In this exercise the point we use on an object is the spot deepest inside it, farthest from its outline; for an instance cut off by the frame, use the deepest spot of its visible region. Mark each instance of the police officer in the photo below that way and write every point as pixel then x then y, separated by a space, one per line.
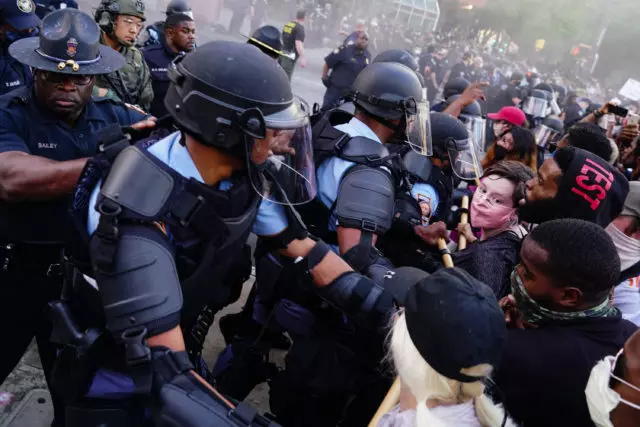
pixel 454 86
pixel 145 266
pixel 46 134
pixel 293 36
pixel 510 94
pixel 43 7
pixel 121 22
pixel 180 36
pixel 17 20
pixel 154 33
pixel 356 188
pixel 341 67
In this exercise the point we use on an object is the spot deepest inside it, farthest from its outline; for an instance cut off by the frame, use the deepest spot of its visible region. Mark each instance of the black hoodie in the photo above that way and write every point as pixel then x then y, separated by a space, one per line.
pixel 544 371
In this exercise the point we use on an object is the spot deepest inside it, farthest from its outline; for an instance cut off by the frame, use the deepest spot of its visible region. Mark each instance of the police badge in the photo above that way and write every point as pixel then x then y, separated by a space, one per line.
pixel 25 6
pixel 72 47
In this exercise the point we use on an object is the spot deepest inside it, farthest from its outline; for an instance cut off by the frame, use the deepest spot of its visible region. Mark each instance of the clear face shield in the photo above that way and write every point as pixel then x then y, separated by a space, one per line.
pixel 285 157
pixel 535 107
pixel 463 155
pixel 418 132
pixel 545 135
pixel 477 127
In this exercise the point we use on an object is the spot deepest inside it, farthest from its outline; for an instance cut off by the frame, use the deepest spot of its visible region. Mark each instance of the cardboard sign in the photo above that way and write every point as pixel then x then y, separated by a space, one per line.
pixel 631 90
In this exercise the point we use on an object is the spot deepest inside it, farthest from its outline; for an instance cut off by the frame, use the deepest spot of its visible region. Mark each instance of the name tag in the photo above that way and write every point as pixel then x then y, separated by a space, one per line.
pixel 47 145
pixel 158 70
pixel 13 83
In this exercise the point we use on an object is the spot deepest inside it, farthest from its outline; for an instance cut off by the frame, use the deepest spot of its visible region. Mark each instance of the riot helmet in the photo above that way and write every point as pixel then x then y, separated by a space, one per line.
pixel 536 104
pixel 451 139
pixel 471 116
pixel 455 86
pixel 390 92
pixel 546 87
pixel 232 97
pixel 548 131
pixel 179 6
pixel 400 56
pixel 109 10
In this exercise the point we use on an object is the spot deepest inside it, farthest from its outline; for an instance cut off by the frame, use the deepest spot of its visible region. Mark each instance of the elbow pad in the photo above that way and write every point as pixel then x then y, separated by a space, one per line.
pixel 361 299
pixel 143 289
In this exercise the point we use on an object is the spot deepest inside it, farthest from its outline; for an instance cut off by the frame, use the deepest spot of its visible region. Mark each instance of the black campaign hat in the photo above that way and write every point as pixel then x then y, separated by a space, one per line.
pixel 69 43
pixel 455 322
pixel 267 39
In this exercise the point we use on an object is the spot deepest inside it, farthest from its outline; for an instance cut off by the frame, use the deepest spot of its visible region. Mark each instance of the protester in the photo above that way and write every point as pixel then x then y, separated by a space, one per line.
pixel 625 232
pixel 562 322
pixel 589 137
pixel 517 144
pixel 505 119
pixel 613 390
pixel 574 184
pixel 444 347
pixel 491 257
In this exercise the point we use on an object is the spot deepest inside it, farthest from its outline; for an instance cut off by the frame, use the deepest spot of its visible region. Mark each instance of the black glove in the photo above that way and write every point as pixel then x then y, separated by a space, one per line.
pixel 326 82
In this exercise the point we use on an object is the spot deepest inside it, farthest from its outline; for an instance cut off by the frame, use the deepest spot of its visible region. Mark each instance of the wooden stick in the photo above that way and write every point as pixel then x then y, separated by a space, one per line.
pixel 393 395
pixel 464 219
pixel 390 400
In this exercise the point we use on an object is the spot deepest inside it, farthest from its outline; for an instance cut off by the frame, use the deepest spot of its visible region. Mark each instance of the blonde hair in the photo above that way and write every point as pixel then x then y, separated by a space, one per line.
pixel 425 383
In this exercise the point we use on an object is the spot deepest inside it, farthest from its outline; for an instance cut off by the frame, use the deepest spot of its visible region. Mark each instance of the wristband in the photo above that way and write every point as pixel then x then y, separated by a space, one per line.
pixel 317 254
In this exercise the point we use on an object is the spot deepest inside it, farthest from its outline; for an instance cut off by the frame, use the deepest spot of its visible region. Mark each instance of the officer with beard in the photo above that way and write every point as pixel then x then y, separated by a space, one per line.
pixel 17 20
pixel 180 37
pixel 121 22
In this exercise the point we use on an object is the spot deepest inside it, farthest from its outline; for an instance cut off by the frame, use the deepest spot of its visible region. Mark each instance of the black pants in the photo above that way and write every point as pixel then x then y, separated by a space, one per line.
pixel 25 291
pixel 288 65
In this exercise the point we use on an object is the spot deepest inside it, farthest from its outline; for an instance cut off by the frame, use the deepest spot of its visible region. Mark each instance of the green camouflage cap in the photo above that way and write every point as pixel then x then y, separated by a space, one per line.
pixel 131 7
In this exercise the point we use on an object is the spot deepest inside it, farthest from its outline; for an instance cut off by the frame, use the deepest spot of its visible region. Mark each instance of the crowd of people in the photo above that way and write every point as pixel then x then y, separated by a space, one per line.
pixel 437 245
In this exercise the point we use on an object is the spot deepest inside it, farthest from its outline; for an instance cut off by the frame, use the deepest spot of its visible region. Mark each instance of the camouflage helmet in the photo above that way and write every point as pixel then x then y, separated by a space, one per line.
pixel 120 7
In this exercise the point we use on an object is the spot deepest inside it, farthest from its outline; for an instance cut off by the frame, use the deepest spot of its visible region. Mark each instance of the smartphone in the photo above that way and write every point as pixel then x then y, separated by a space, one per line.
pixel 633 119
pixel 618 111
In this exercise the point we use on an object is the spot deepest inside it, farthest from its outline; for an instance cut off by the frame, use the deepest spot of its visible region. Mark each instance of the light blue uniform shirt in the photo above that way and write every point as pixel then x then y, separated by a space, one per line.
pixel 271 218
pixel 331 171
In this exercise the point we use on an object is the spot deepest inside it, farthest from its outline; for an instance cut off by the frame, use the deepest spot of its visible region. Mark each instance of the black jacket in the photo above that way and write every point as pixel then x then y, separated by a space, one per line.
pixel 544 371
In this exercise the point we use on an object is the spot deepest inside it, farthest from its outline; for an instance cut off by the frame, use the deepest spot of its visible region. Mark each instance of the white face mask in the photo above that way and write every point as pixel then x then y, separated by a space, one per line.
pixel 601 399
pixel 627 247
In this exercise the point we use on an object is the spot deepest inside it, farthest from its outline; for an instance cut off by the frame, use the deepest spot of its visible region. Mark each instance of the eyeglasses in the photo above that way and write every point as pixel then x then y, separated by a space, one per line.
pixel 59 78
pixel 614 376
pixel 130 22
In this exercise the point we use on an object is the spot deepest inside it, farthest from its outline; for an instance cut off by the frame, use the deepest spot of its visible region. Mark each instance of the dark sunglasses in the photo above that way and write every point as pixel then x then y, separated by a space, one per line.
pixel 58 78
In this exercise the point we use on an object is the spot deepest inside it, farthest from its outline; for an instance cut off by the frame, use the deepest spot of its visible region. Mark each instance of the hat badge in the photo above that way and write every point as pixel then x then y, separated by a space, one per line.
pixel 25 6
pixel 72 47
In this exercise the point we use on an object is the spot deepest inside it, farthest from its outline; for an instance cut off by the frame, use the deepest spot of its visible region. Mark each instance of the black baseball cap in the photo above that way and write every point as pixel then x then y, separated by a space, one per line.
pixel 20 14
pixel 455 322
